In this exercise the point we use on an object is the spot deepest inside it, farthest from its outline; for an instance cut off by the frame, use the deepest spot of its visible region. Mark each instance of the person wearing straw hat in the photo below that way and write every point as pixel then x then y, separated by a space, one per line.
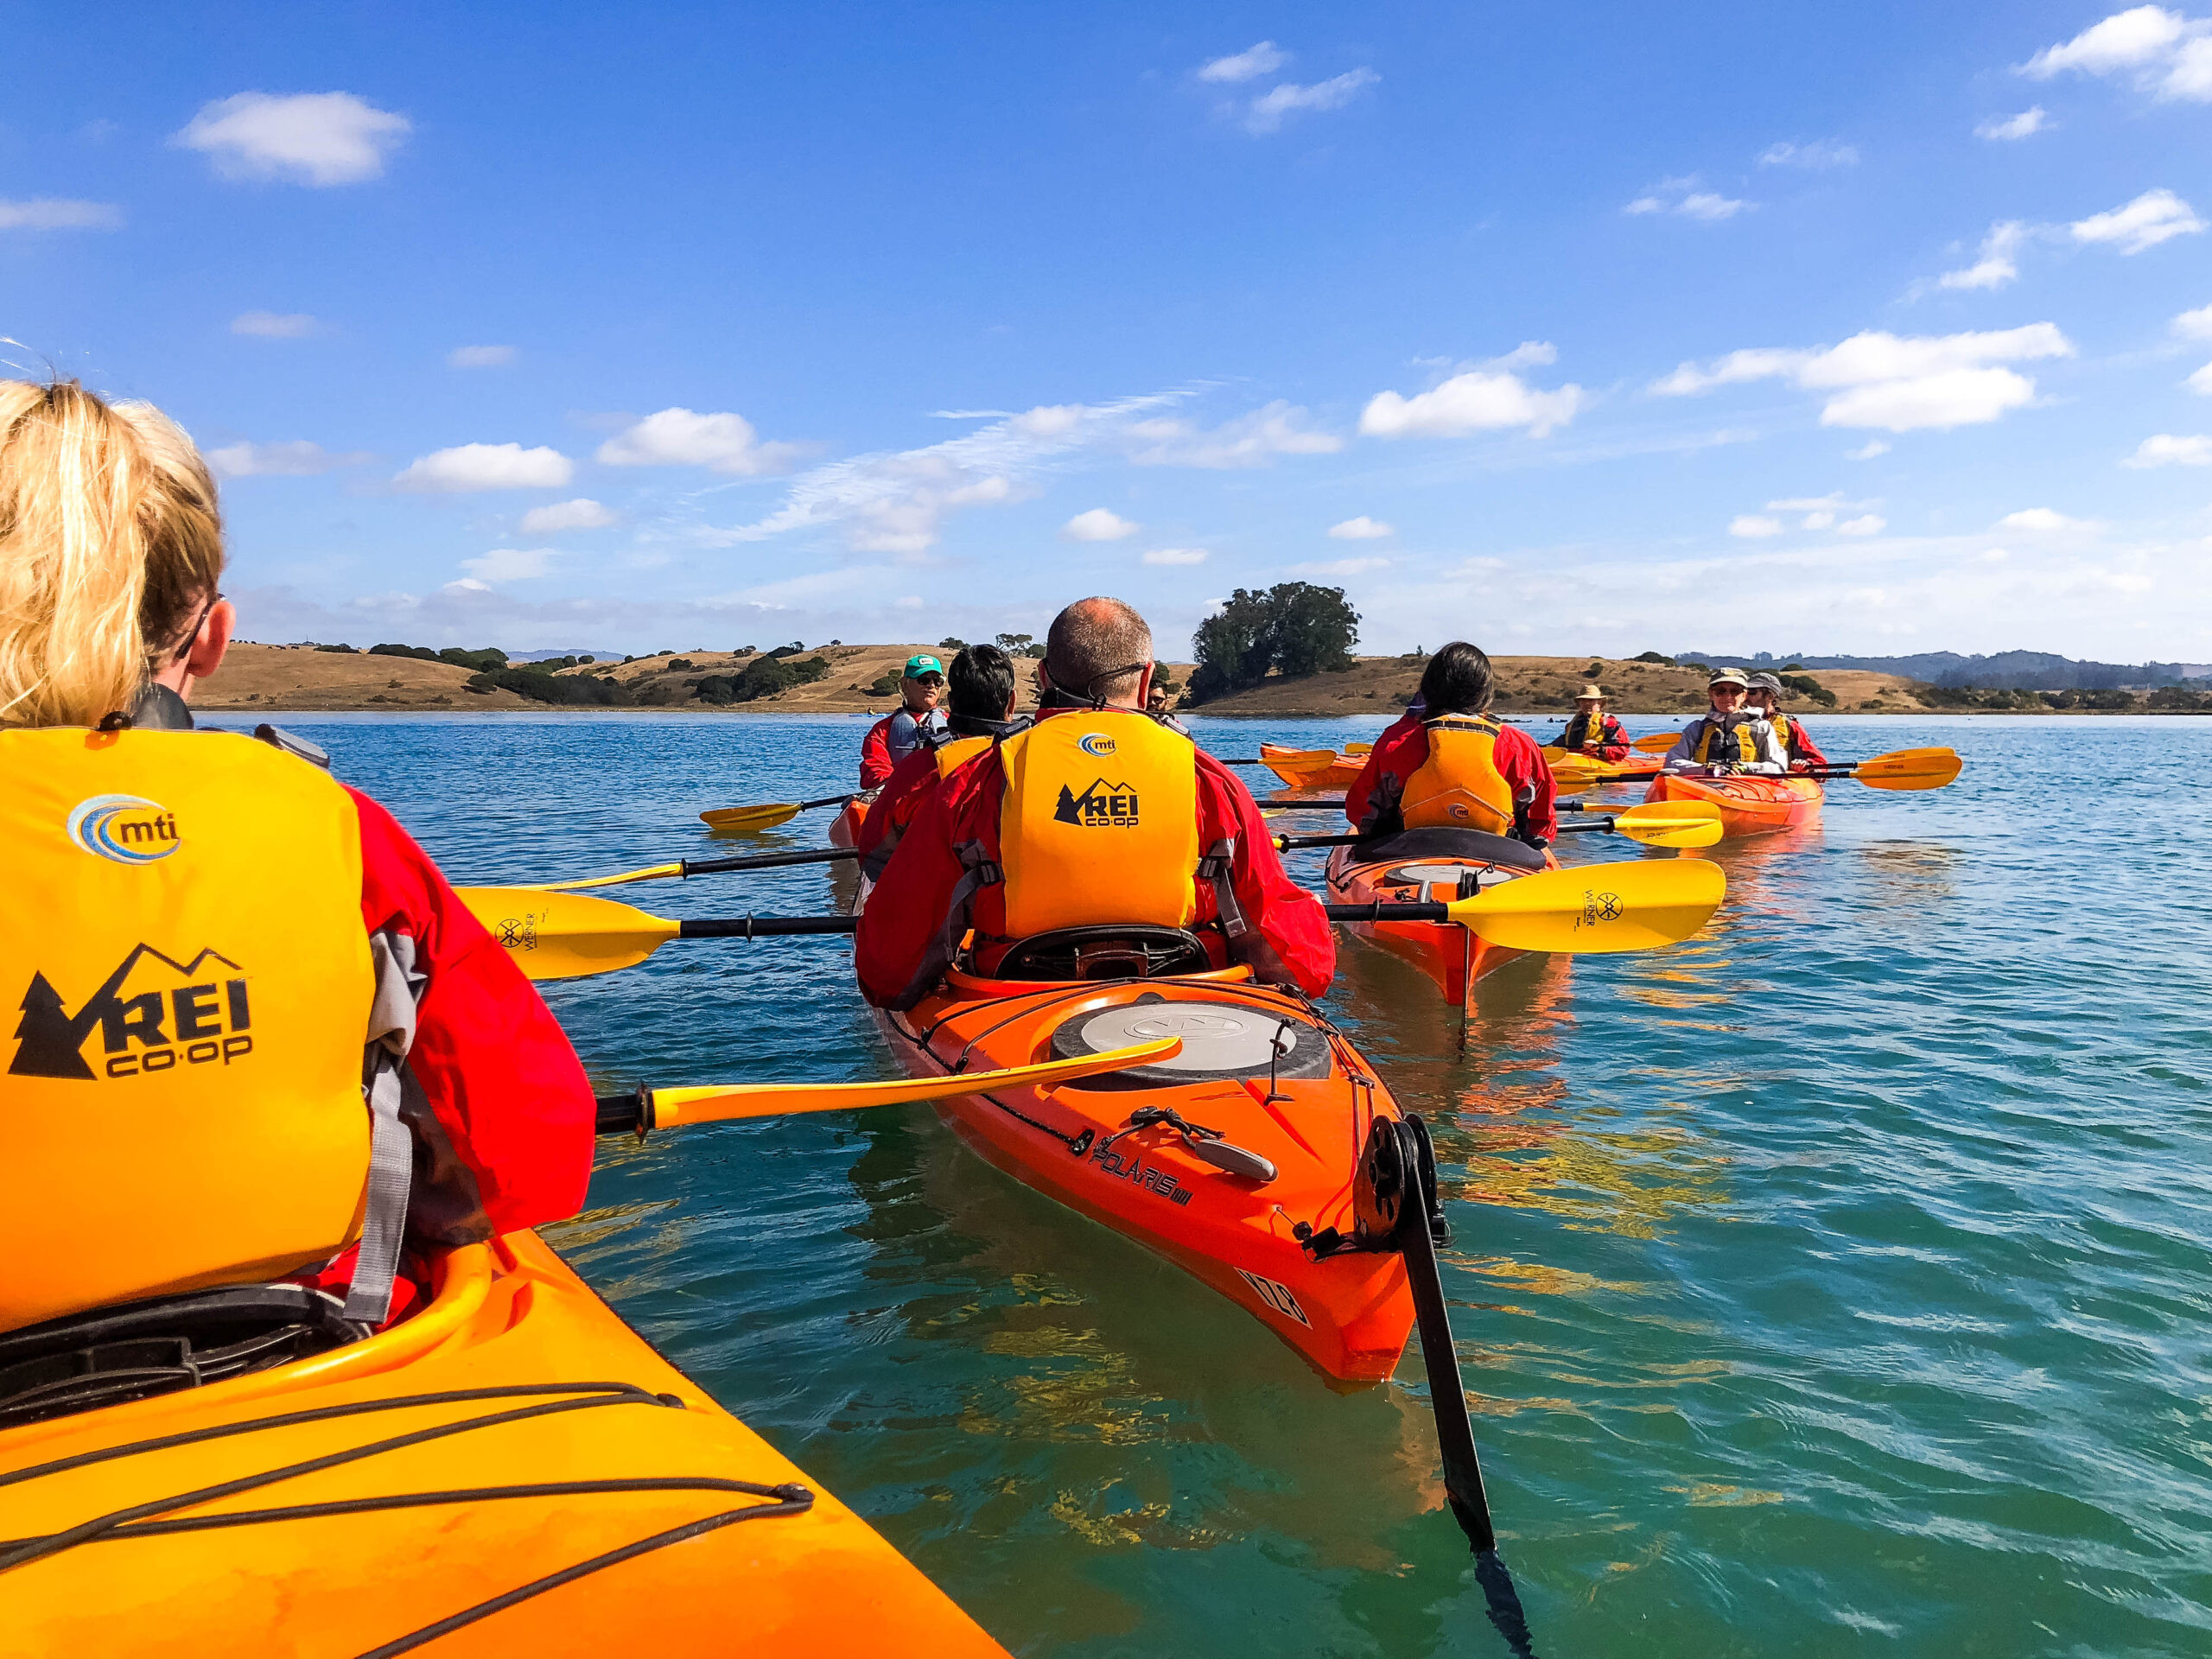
pixel 1592 731
pixel 918 723
pixel 1765 699
pixel 1729 736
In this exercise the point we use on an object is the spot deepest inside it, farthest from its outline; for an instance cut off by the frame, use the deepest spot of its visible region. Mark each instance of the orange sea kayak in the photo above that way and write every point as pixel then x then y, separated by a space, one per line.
pixel 1749 803
pixel 1438 864
pixel 845 828
pixel 1631 769
pixel 1192 1158
pixel 511 1471
pixel 1316 768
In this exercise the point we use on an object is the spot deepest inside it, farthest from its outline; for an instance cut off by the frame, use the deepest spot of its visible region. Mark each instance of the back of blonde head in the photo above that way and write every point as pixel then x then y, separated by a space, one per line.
pixel 110 542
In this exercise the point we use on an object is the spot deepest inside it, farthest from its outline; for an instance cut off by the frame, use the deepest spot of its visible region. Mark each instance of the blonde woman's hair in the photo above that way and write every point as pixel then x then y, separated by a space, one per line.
pixel 111 548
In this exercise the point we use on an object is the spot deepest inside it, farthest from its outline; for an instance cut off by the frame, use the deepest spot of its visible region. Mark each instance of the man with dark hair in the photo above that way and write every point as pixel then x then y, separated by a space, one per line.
pixel 1095 817
pixel 916 724
pixel 1457 766
pixel 981 684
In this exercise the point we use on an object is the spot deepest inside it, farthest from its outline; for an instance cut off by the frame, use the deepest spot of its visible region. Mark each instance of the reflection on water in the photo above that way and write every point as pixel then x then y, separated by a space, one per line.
pixel 1834 1282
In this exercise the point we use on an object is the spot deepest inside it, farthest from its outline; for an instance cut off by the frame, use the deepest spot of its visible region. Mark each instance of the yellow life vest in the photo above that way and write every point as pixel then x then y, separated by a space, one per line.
pixel 1099 823
pixel 182 1105
pixel 1727 747
pixel 1459 783
pixel 957 752
pixel 1594 734
pixel 1780 721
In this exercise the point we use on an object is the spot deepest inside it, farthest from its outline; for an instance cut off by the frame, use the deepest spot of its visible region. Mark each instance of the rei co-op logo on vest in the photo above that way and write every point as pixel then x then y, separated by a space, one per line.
pixel 1103 806
pixel 152 1014
pixel 123 829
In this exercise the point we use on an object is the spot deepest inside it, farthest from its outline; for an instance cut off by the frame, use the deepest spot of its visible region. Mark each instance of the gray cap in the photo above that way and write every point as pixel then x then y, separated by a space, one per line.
pixel 1766 682
pixel 1728 676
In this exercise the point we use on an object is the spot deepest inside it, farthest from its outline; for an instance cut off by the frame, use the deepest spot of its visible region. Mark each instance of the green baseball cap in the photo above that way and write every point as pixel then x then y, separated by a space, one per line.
pixel 922 663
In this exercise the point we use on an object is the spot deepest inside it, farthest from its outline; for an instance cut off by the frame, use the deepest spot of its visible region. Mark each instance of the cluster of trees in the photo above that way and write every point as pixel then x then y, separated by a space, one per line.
pixel 574 691
pixel 763 678
pixel 1292 629
pixel 2106 700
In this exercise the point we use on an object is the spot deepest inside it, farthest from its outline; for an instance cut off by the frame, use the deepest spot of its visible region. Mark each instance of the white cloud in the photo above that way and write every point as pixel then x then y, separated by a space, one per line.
pixel 1820 153
pixel 1361 529
pixel 1176 556
pixel 509 564
pixel 52 214
pixel 487 467
pixel 466 585
pixel 2167 450
pixel 1686 198
pixel 1868 450
pixel 582 513
pixel 1821 520
pixel 1099 524
pixel 1470 403
pixel 1830 503
pixel 2201 382
pixel 273 325
pixel 678 437
pixel 1900 382
pixel 1275 428
pixel 317 138
pixel 1871 524
pixel 2005 127
pixel 1267 112
pixel 2153 217
pixel 1252 62
pixel 1996 266
pixel 1752 524
pixel 2194 325
pixel 2040 520
pixel 480 357
pixel 1340 567
pixel 296 459
pixel 2169 55
pixel 1528 354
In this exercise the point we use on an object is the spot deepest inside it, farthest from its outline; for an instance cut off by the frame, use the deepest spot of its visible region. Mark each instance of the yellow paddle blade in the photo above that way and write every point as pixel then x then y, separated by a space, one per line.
pixel 672 1107
pixel 566 935
pixel 1670 823
pixel 1359 748
pixel 1910 769
pixel 1657 743
pixel 650 873
pixel 1597 907
pixel 749 817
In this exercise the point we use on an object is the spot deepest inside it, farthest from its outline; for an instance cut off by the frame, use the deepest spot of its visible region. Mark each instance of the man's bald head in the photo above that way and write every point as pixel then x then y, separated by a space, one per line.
pixel 1099 648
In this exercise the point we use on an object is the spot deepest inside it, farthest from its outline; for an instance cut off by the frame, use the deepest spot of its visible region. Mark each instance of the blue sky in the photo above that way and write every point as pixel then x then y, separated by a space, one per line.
pixel 1584 327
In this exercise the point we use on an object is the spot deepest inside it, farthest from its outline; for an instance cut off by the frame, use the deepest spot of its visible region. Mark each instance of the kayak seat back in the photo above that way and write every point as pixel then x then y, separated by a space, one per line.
pixel 1106 950
pixel 112 1354
pixel 1447 841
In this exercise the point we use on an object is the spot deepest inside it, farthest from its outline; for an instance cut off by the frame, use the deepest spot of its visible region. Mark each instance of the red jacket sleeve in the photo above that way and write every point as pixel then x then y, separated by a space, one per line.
pixel 1290 920
pixel 1522 764
pixel 1397 753
pixel 912 896
pixel 875 753
pixel 894 808
pixel 495 1066
pixel 1801 747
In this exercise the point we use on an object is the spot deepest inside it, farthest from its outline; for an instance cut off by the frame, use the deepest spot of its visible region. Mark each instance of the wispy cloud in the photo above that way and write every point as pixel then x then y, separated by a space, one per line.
pixel 1341 567
pixel 2005 129
pixel 1267 112
pixel 510 564
pixel 1901 384
pixel 274 325
pixel 480 357
pixel 2161 52
pixel 1997 264
pixel 2155 216
pixel 1820 154
pixel 582 513
pixel 54 213
pixel 1176 556
pixel 312 138
pixel 1687 198
pixel 2167 450
pixel 1248 65
pixel 296 458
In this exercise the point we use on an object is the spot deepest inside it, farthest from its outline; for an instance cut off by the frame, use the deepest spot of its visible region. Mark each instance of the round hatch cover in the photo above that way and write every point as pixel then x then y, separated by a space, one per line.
pixel 1220 1040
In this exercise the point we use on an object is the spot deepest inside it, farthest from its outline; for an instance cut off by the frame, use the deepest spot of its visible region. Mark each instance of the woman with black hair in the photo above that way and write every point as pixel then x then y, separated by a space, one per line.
pixel 1459 767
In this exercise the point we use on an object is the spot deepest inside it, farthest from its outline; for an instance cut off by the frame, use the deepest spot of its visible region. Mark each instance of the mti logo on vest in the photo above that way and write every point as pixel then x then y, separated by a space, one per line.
pixel 123 829
pixel 1101 805
pixel 1097 745
pixel 150 1021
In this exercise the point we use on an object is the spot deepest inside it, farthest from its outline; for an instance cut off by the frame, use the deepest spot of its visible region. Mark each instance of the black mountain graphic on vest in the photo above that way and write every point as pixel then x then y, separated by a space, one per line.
pixel 52 1036
pixel 1102 802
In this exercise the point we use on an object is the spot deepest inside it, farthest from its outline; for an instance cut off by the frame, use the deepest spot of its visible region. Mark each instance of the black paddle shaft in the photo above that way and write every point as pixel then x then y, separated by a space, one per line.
pixel 764 861
pixel 762 927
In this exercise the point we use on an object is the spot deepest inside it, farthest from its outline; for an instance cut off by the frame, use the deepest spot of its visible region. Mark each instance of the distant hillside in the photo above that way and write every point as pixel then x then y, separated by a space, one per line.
pixel 2016 670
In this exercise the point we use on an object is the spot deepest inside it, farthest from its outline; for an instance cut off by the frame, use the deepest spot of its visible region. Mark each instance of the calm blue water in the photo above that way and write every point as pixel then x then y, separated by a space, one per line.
pixel 1833 1284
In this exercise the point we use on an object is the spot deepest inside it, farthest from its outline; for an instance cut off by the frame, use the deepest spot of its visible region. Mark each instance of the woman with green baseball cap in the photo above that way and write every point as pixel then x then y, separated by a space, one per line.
pixel 918 723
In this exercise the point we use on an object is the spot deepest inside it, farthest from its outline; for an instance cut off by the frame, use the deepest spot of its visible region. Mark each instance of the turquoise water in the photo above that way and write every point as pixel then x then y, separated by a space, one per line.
pixel 1833 1284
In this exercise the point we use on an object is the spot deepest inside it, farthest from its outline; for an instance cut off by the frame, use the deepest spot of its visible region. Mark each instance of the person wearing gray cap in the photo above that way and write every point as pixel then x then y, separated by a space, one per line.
pixel 1728 736
pixel 1765 699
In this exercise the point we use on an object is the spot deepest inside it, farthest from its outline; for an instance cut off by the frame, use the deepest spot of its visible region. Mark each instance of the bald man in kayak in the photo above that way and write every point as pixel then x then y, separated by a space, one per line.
pixel 1097 817
pixel 917 723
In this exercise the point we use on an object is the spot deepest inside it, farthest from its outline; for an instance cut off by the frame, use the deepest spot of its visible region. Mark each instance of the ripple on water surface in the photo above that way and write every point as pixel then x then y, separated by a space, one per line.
pixel 1834 1283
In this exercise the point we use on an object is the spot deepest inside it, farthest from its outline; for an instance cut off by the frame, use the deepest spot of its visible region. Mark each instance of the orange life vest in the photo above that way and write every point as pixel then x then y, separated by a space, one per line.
pixel 183 1099
pixel 1099 823
pixel 1459 783
pixel 958 752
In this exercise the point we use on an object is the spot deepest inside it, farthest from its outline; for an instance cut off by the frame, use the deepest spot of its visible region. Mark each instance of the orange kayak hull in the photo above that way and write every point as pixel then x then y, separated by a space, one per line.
pixel 1348 1315
pixel 1631 769
pixel 1313 768
pixel 1750 805
pixel 1449 954
pixel 845 828
pixel 508 1314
